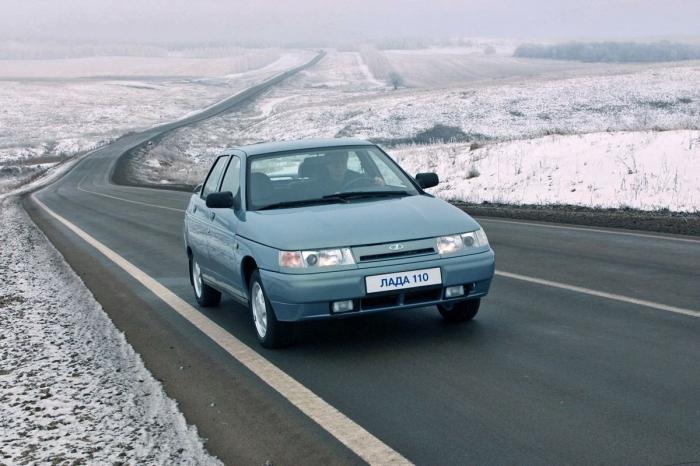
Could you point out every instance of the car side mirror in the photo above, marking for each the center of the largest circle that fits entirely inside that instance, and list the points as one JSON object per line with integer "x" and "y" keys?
{"x": 427, "y": 180}
{"x": 222, "y": 200}
{"x": 198, "y": 188}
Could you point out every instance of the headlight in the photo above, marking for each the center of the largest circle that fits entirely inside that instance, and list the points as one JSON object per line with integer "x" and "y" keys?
{"x": 475, "y": 239}
{"x": 449, "y": 244}
{"x": 453, "y": 243}
{"x": 320, "y": 258}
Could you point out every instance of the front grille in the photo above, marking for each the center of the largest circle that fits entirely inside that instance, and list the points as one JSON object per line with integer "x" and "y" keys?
{"x": 375, "y": 302}
{"x": 392, "y": 299}
{"x": 422, "y": 296}
{"x": 394, "y": 255}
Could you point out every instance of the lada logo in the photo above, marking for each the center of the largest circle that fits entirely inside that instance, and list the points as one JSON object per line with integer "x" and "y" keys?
{"x": 396, "y": 247}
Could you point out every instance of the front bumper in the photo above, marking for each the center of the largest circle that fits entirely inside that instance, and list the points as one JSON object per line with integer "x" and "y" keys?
{"x": 296, "y": 297}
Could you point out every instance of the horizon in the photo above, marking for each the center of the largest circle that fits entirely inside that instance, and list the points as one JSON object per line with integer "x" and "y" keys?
{"x": 316, "y": 22}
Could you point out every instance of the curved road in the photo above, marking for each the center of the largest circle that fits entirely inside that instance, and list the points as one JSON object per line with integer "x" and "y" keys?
{"x": 586, "y": 351}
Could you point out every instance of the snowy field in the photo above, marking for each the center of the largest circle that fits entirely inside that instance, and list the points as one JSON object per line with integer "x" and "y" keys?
{"x": 185, "y": 155}
{"x": 45, "y": 120}
{"x": 665, "y": 98}
{"x": 476, "y": 60}
{"x": 434, "y": 67}
{"x": 643, "y": 170}
{"x": 339, "y": 97}
{"x": 173, "y": 64}
{"x": 72, "y": 390}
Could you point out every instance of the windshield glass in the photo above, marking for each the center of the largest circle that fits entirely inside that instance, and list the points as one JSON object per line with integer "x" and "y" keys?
{"x": 309, "y": 176}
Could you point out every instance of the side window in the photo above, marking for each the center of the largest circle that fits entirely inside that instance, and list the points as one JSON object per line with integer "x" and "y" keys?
{"x": 232, "y": 178}
{"x": 214, "y": 176}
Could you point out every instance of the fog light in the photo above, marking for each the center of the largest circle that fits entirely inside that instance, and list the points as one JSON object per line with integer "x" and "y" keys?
{"x": 454, "y": 291}
{"x": 342, "y": 306}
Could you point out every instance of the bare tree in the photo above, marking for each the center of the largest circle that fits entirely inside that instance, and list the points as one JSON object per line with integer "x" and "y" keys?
{"x": 395, "y": 79}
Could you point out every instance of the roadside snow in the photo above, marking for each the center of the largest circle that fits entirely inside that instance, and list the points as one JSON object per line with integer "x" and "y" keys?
{"x": 642, "y": 170}
{"x": 71, "y": 387}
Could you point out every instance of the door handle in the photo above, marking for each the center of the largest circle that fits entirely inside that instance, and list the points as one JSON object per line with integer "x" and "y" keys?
{"x": 212, "y": 215}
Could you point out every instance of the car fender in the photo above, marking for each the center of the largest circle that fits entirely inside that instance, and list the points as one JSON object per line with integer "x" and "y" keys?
{"x": 265, "y": 257}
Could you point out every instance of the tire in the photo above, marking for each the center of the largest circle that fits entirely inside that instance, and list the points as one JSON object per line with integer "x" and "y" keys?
{"x": 461, "y": 311}
{"x": 206, "y": 295}
{"x": 271, "y": 333}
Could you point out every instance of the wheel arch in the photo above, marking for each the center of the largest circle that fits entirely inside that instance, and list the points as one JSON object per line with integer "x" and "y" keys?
{"x": 189, "y": 264}
{"x": 248, "y": 266}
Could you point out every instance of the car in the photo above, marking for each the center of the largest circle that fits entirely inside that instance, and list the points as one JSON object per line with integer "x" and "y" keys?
{"x": 329, "y": 228}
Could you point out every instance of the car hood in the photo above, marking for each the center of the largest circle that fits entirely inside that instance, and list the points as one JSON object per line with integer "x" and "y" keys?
{"x": 356, "y": 223}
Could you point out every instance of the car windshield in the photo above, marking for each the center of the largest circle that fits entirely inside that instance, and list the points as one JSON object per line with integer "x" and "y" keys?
{"x": 336, "y": 174}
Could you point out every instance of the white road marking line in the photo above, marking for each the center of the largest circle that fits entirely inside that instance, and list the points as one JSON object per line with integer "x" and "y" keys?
{"x": 592, "y": 230}
{"x": 600, "y": 294}
{"x": 128, "y": 200}
{"x": 352, "y": 435}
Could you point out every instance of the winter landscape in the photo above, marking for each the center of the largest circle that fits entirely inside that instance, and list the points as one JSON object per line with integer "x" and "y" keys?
{"x": 480, "y": 110}
{"x": 55, "y": 109}
{"x": 500, "y": 121}
{"x": 72, "y": 390}
{"x": 517, "y": 140}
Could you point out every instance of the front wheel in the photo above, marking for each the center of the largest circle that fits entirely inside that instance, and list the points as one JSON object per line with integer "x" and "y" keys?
{"x": 271, "y": 332}
{"x": 461, "y": 311}
{"x": 206, "y": 295}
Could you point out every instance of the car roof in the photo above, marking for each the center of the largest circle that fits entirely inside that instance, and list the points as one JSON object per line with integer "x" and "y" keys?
{"x": 299, "y": 144}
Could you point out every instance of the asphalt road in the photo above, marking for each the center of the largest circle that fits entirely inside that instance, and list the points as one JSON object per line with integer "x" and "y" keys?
{"x": 544, "y": 375}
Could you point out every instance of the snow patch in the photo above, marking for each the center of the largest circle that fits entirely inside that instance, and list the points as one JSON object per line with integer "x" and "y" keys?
{"x": 71, "y": 387}
{"x": 643, "y": 170}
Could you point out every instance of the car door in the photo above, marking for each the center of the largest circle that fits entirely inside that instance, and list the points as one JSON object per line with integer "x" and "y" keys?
{"x": 200, "y": 216}
{"x": 223, "y": 252}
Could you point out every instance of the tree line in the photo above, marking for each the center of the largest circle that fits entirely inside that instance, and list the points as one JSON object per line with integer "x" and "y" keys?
{"x": 619, "y": 52}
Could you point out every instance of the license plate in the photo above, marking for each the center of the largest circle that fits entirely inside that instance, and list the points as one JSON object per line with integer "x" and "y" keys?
{"x": 403, "y": 280}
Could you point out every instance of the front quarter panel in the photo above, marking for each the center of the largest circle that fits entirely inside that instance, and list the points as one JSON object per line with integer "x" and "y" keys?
{"x": 187, "y": 224}
{"x": 196, "y": 229}
{"x": 266, "y": 257}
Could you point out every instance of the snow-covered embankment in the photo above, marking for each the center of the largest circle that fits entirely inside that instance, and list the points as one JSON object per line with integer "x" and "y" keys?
{"x": 645, "y": 170}
{"x": 71, "y": 387}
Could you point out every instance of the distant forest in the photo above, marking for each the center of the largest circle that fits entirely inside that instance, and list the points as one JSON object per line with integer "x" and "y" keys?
{"x": 619, "y": 52}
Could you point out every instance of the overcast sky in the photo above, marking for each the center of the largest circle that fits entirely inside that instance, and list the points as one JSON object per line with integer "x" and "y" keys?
{"x": 343, "y": 20}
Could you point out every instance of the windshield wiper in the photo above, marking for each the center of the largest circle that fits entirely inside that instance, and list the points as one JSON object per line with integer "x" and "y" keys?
{"x": 334, "y": 198}
{"x": 361, "y": 194}
{"x": 300, "y": 203}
